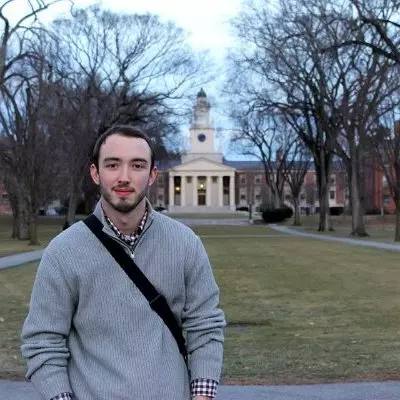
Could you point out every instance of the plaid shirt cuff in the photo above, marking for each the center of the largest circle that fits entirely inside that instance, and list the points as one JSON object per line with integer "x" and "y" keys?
{"x": 63, "y": 396}
{"x": 204, "y": 387}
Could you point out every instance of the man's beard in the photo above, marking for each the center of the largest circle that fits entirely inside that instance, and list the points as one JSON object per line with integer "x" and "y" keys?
{"x": 122, "y": 206}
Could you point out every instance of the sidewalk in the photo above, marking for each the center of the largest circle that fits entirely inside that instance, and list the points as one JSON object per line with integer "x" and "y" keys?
{"x": 345, "y": 240}
{"x": 18, "y": 259}
{"x": 10, "y": 390}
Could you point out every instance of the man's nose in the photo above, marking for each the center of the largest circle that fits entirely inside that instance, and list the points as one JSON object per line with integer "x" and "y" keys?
{"x": 124, "y": 174}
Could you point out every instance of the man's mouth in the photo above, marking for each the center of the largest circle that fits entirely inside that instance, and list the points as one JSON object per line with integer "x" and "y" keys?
{"x": 123, "y": 192}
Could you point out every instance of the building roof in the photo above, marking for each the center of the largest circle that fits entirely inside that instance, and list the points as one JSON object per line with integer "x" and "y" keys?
{"x": 244, "y": 164}
{"x": 201, "y": 93}
{"x": 164, "y": 165}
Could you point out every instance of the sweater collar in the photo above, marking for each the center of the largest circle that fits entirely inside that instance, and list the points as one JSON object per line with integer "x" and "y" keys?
{"x": 98, "y": 212}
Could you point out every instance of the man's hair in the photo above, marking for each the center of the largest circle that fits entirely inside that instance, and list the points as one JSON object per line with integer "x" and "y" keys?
{"x": 123, "y": 130}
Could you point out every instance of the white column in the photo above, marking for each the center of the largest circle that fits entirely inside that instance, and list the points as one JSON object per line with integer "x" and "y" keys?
{"x": 220, "y": 191}
{"x": 194, "y": 180}
{"x": 208, "y": 191}
{"x": 232, "y": 192}
{"x": 171, "y": 191}
{"x": 183, "y": 190}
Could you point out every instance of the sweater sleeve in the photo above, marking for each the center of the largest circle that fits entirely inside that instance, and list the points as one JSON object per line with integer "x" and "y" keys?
{"x": 202, "y": 319}
{"x": 46, "y": 328}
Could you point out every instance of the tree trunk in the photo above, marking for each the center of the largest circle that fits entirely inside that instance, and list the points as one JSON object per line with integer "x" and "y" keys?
{"x": 22, "y": 220}
{"x": 73, "y": 202}
{"x": 397, "y": 228}
{"x": 357, "y": 211}
{"x": 296, "y": 221}
{"x": 34, "y": 240}
{"x": 324, "y": 220}
{"x": 23, "y": 225}
{"x": 15, "y": 222}
{"x": 277, "y": 201}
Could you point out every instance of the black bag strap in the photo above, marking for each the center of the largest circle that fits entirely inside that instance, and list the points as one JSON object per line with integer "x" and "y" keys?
{"x": 156, "y": 300}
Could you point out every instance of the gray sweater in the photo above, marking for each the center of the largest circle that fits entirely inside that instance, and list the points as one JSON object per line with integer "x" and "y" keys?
{"x": 91, "y": 332}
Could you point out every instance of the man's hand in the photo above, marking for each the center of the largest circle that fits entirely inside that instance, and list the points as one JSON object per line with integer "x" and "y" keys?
{"x": 201, "y": 398}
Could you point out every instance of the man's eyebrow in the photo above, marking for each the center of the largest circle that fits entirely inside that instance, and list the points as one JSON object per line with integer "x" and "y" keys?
{"x": 111, "y": 159}
{"x": 142, "y": 160}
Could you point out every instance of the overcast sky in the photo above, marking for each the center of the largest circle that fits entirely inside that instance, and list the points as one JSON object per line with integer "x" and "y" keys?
{"x": 207, "y": 21}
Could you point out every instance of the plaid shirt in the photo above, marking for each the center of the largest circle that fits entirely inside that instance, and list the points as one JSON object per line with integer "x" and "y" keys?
{"x": 128, "y": 239}
{"x": 198, "y": 387}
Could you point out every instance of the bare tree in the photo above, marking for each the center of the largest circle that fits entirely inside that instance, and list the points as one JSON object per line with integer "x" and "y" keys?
{"x": 115, "y": 68}
{"x": 266, "y": 138}
{"x": 374, "y": 25}
{"x": 28, "y": 149}
{"x": 280, "y": 67}
{"x": 298, "y": 163}
{"x": 13, "y": 36}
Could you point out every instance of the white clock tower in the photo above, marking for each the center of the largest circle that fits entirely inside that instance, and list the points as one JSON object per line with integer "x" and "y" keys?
{"x": 201, "y": 132}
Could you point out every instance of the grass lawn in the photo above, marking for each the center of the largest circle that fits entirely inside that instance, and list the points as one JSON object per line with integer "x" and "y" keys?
{"x": 299, "y": 310}
{"x": 48, "y": 227}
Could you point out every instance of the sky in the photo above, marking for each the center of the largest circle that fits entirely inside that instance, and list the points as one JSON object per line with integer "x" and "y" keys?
{"x": 205, "y": 21}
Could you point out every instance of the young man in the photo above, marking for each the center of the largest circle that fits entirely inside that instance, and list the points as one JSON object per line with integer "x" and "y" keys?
{"x": 90, "y": 333}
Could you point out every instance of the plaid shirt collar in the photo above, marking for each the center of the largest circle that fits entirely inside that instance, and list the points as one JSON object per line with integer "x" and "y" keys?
{"x": 132, "y": 238}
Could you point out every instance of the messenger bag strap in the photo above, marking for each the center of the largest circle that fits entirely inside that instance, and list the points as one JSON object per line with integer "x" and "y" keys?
{"x": 156, "y": 300}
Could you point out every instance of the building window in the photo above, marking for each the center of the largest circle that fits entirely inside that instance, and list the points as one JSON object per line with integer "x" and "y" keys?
{"x": 384, "y": 180}
{"x": 332, "y": 195}
{"x": 333, "y": 180}
{"x": 257, "y": 179}
{"x": 243, "y": 195}
{"x": 160, "y": 180}
{"x": 287, "y": 197}
{"x": 242, "y": 179}
{"x": 215, "y": 179}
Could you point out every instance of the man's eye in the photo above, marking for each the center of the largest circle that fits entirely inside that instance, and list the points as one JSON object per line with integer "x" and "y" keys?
{"x": 111, "y": 166}
{"x": 138, "y": 166}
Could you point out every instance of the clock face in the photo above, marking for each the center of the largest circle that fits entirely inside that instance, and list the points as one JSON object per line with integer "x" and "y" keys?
{"x": 201, "y": 137}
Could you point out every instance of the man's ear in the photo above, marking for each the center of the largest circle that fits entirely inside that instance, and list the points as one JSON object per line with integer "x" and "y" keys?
{"x": 153, "y": 175}
{"x": 94, "y": 174}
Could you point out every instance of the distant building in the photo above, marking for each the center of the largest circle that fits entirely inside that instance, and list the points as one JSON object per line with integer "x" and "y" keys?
{"x": 204, "y": 181}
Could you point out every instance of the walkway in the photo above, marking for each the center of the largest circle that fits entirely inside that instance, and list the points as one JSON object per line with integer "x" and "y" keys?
{"x": 18, "y": 259}
{"x": 10, "y": 390}
{"x": 345, "y": 240}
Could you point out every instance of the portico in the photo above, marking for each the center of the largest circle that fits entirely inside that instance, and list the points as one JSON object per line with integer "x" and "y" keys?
{"x": 202, "y": 185}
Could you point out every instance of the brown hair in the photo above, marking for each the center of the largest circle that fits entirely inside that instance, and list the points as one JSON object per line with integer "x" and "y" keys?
{"x": 123, "y": 130}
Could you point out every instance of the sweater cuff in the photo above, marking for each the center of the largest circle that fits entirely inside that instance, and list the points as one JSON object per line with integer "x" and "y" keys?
{"x": 51, "y": 380}
{"x": 63, "y": 396}
{"x": 204, "y": 387}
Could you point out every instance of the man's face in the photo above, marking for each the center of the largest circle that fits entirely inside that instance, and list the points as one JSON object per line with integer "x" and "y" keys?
{"x": 124, "y": 173}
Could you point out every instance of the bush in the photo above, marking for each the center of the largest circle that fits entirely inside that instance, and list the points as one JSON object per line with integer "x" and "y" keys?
{"x": 242, "y": 208}
{"x": 336, "y": 210}
{"x": 274, "y": 215}
{"x": 288, "y": 212}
